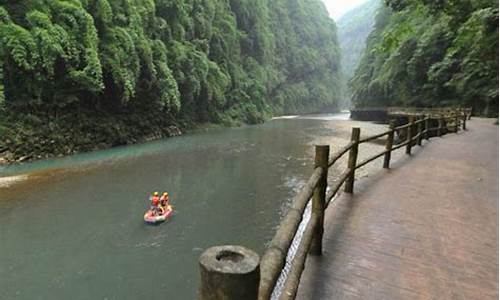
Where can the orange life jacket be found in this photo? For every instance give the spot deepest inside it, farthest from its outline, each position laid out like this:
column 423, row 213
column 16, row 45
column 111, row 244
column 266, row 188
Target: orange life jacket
column 155, row 201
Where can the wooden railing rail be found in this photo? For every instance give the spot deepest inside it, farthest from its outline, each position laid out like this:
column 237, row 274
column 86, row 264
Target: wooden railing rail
column 337, row 155
column 338, row 184
column 274, row 258
column 374, row 137
column 293, row 279
column 418, row 110
column 370, row 159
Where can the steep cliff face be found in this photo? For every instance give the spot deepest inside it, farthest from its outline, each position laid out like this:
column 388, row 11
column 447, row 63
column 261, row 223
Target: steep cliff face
column 80, row 74
column 431, row 53
column 354, row 28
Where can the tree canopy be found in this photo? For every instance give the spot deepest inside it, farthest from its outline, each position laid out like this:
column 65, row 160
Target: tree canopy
column 82, row 72
column 431, row 53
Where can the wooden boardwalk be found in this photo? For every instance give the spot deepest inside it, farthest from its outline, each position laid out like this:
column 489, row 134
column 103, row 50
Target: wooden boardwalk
column 426, row 229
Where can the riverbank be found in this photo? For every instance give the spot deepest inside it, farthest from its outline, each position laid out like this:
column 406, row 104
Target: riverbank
column 34, row 142
column 41, row 138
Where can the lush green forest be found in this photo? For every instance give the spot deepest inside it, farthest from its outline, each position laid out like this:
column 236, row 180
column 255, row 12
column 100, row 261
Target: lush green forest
column 354, row 27
column 431, row 53
column 77, row 75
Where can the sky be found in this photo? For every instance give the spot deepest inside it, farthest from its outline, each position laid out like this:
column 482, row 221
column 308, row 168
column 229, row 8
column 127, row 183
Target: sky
column 337, row 8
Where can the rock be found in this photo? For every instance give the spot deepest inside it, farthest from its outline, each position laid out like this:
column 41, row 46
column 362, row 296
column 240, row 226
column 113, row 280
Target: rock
column 8, row 156
column 24, row 158
column 174, row 131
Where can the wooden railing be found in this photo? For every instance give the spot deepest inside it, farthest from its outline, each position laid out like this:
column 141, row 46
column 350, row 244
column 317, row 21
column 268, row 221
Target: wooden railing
column 274, row 259
column 416, row 110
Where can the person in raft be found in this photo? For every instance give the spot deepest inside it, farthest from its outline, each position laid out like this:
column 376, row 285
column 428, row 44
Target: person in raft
column 164, row 200
column 155, row 202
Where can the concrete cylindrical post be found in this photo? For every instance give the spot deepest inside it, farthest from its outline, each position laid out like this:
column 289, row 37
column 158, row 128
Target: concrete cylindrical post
column 230, row 273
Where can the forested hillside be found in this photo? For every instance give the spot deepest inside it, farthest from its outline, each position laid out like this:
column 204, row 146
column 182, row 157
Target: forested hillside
column 354, row 27
column 78, row 75
column 431, row 53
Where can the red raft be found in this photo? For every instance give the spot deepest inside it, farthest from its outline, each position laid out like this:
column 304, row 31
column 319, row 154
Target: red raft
column 151, row 218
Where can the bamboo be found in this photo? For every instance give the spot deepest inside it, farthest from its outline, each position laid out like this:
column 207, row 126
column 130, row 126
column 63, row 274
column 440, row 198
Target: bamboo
column 318, row 202
column 388, row 145
column 351, row 163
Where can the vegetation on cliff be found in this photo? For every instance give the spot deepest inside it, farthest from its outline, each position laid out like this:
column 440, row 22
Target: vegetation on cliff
column 77, row 75
column 431, row 53
column 353, row 29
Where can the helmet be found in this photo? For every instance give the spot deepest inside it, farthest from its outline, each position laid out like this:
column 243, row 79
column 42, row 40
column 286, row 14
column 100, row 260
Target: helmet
column 165, row 194
column 155, row 194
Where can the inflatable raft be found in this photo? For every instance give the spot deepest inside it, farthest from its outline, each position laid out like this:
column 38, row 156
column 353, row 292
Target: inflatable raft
column 151, row 218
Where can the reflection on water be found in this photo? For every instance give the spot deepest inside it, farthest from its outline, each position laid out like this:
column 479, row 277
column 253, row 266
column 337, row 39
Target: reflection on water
column 73, row 228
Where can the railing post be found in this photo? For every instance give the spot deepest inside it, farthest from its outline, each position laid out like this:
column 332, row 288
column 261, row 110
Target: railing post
column 353, row 157
column 457, row 120
column 419, row 132
column 229, row 272
column 426, row 126
column 388, row 145
column 440, row 126
column 409, row 134
column 464, row 121
column 319, row 198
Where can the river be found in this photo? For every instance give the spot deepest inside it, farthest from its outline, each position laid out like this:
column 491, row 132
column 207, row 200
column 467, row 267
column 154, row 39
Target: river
column 72, row 228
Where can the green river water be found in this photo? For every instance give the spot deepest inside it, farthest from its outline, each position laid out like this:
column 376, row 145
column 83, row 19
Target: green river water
column 73, row 229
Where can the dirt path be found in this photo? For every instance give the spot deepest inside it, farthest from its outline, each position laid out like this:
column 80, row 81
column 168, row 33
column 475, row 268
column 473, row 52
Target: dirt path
column 426, row 229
